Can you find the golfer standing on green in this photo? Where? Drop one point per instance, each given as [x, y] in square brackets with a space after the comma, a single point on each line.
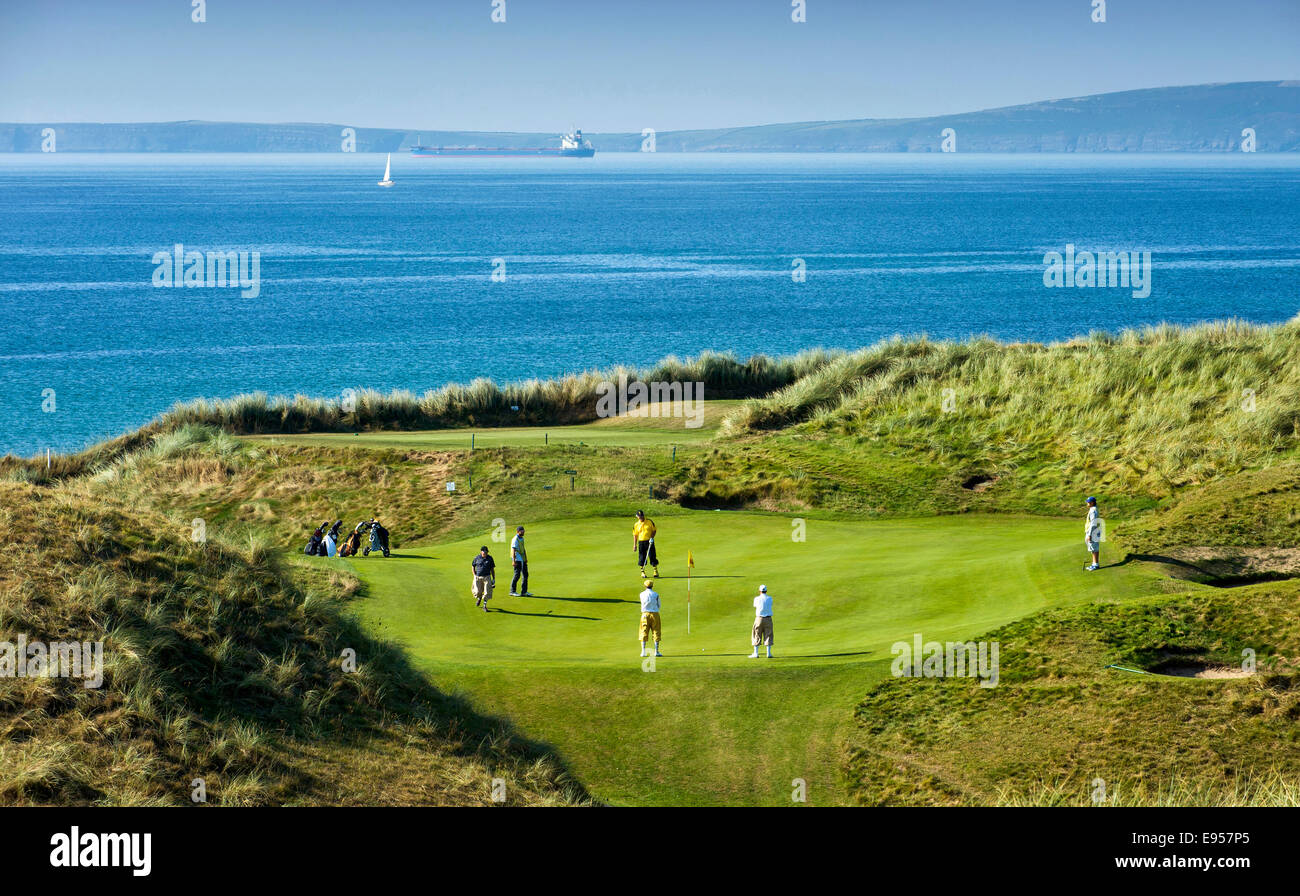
[1092, 532]
[485, 578]
[520, 557]
[651, 626]
[762, 633]
[643, 542]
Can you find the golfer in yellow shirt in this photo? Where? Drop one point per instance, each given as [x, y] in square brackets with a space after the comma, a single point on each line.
[643, 542]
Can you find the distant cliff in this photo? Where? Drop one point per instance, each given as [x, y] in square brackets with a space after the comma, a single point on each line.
[1204, 118]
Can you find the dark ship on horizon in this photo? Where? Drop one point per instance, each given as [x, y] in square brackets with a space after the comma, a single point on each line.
[572, 145]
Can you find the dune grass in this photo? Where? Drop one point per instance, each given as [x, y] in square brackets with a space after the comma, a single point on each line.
[1060, 720]
[920, 426]
[219, 666]
[566, 400]
[1149, 410]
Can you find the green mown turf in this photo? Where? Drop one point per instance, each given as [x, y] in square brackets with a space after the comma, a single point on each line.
[517, 437]
[708, 725]
[667, 427]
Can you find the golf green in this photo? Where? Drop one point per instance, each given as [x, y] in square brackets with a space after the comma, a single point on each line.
[705, 724]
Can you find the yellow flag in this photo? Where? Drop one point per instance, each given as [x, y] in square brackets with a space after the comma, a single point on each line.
[690, 560]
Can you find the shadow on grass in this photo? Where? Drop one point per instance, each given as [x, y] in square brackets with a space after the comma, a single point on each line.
[699, 577]
[1222, 579]
[775, 656]
[542, 615]
[390, 696]
[814, 656]
[583, 600]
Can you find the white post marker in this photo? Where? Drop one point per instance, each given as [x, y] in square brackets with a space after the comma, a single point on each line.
[451, 487]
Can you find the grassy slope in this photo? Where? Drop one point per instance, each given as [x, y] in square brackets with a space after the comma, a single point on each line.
[753, 742]
[1134, 419]
[1153, 422]
[1254, 508]
[1060, 719]
[284, 491]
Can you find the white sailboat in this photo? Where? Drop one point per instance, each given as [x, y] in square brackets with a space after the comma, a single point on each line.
[388, 173]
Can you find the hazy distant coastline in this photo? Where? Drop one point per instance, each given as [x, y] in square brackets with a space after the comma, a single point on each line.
[1203, 118]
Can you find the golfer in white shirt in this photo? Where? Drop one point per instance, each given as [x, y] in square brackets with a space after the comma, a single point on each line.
[650, 624]
[762, 633]
[1092, 535]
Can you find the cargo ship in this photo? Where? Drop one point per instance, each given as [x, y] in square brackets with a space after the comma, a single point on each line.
[572, 145]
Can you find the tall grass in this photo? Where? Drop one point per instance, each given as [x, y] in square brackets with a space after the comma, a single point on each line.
[218, 664]
[569, 399]
[1265, 789]
[1163, 405]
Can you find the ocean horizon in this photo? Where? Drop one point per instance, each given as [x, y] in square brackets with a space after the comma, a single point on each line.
[520, 268]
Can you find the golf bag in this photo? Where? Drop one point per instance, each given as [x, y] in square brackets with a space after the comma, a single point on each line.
[378, 540]
[350, 544]
[316, 545]
[332, 539]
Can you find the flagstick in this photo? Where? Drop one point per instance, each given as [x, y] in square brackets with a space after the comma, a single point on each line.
[688, 598]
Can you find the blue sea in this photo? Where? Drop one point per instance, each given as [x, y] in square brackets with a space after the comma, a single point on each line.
[624, 258]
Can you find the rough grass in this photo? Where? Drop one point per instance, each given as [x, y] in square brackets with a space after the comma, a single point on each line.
[218, 665]
[1059, 720]
[285, 491]
[1145, 412]
[570, 399]
[1250, 509]
[200, 472]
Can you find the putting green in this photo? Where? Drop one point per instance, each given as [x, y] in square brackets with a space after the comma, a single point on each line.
[705, 724]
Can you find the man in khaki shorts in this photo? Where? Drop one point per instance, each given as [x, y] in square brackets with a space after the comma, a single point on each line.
[650, 624]
[762, 633]
[485, 578]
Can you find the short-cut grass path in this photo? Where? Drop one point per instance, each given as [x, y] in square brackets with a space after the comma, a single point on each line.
[651, 425]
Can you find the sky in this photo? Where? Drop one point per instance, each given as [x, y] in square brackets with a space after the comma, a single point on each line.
[611, 65]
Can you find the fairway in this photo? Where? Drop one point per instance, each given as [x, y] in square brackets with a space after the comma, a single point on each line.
[655, 424]
[705, 724]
